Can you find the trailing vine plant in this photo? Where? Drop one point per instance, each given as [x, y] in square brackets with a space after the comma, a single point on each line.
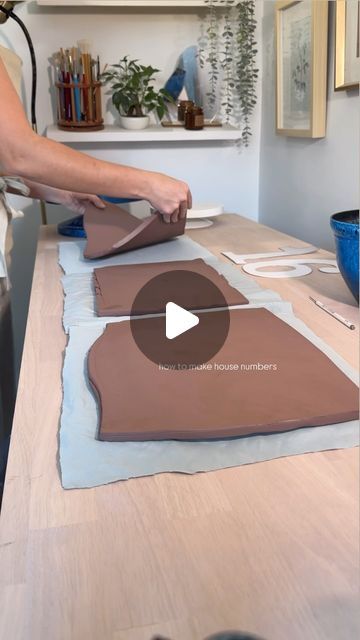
[227, 64]
[228, 47]
[212, 58]
[245, 63]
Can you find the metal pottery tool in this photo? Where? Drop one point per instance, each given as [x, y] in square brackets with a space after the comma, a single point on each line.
[332, 313]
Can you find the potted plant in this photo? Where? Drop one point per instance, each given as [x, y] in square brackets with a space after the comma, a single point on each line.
[133, 93]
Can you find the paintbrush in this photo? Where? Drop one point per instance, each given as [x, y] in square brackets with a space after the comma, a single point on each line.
[84, 46]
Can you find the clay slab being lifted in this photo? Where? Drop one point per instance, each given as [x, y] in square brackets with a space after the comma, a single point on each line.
[113, 230]
[116, 287]
[140, 401]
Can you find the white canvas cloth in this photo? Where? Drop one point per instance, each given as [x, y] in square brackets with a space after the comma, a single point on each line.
[79, 304]
[87, 462]
[7, 213]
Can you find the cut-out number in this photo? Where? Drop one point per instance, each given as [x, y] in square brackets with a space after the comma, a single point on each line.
[298, 268]
[241, 258]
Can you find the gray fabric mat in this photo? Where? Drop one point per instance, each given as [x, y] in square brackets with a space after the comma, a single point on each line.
[79, 304]
[87, 462]
[71, 257]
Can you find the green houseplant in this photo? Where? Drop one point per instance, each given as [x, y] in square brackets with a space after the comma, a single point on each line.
[228, 49]
[133, 92]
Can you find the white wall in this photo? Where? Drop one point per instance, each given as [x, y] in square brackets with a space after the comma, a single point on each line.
[213, 171]
[302, 181]
[219, 172]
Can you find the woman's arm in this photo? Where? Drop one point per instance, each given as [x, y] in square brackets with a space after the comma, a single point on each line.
[33, 157]
[70, 199]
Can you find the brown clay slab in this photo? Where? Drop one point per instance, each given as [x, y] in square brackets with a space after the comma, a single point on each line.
[140, 401]
[114, 230]
[116, 287]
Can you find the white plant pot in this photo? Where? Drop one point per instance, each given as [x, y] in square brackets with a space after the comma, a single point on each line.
[134, 122]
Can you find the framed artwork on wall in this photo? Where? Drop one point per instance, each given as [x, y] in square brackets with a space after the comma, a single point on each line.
[301, 67]
[347, 44]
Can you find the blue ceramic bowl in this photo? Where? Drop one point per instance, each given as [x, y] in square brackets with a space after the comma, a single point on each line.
[345, 226]
[75, 228]
[113, 200]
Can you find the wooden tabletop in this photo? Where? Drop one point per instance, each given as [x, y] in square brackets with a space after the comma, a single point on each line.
[270, 548]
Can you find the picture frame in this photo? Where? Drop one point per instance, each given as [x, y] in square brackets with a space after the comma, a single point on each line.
[301, 67]
[347, 45]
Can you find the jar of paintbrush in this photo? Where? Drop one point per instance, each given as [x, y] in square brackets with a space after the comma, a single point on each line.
[78, 87]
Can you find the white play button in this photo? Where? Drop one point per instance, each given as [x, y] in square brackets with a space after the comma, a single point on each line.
[178, 320]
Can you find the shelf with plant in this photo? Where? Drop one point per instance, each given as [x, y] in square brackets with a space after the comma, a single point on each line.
[122, 3]
[133, 93]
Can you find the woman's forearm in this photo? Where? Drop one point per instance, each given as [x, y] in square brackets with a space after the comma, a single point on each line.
[36, 190]
[32, 157]
[50, 163]
[39, 191]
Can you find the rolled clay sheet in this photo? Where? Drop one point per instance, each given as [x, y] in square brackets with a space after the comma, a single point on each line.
[116, 288]
[114, 230]
[282, 382]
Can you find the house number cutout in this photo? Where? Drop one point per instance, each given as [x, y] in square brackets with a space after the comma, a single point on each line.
[241, 258]
[297, 268]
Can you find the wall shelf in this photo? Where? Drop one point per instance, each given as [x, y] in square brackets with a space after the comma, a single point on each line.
[113, 133]
[122, 3]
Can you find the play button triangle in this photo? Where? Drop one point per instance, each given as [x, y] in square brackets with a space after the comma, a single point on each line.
[178, 320]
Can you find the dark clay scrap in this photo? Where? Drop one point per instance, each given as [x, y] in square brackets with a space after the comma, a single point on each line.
[116, 288]
[140, 401]
[114, 230]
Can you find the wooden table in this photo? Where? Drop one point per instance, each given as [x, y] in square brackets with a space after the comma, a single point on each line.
[269, 548]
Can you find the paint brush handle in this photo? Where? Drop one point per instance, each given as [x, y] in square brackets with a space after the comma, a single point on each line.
[67, 97]
[77, 98]
[86, 58]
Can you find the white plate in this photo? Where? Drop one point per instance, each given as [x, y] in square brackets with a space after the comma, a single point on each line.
[206, 210]
[198, 224]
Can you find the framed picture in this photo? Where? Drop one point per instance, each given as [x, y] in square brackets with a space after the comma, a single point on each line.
[347, 45]
[301, 67]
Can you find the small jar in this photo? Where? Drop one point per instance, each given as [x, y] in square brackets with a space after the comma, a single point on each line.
[182, 107]
[194, 119]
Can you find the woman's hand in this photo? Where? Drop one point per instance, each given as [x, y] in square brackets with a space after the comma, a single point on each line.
[172, 198]
[72, 200]
[77, 201]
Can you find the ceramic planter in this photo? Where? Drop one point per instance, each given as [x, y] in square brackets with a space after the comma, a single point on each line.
[345, 226]
[134, 122]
